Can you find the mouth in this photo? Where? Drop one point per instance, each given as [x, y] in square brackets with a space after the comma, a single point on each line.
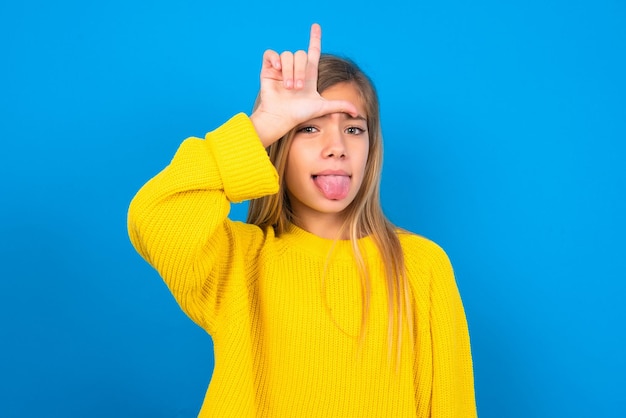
[334, 186]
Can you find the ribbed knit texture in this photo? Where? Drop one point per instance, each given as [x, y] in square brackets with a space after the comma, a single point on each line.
[285, 329]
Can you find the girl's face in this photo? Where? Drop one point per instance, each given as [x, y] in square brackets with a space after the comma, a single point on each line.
[326, 160]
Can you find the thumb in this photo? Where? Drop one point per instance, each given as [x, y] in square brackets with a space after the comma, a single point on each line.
[339, 106]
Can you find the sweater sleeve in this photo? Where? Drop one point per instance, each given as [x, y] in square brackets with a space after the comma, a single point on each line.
[453, 379]
[178, 220]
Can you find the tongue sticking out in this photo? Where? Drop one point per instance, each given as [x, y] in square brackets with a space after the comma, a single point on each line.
[334, 187]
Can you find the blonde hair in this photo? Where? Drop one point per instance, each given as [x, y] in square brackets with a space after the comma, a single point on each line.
[364, 215]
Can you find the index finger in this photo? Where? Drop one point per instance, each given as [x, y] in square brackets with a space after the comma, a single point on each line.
[315, 45]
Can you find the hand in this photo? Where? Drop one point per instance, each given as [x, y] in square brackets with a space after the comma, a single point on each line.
[289, 93]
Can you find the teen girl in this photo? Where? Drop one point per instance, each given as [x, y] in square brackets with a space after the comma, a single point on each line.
[318, 306]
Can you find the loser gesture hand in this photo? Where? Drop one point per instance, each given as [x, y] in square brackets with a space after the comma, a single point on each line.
[289, 93]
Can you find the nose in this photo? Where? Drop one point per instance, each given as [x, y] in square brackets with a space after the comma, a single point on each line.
[334, 145]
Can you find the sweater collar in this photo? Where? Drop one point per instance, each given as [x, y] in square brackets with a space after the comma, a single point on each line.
[341, 248]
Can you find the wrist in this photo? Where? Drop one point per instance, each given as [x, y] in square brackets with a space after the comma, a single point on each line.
[268, 127]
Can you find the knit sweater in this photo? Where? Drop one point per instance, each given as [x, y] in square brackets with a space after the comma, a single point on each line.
[285, 311]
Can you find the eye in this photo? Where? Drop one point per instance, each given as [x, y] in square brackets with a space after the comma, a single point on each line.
[307, 130]
[355, 130]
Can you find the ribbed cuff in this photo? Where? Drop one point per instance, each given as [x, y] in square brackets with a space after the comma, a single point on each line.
[244, 165]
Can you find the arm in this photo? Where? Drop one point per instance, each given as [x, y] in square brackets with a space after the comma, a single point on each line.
[178, 220]
[453, 379]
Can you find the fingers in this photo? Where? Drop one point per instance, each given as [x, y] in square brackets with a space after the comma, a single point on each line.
[301, 66]
[286, 62]
[294, 67]
[301, 61]
[314, 53]
[315, 44]
[271, 64]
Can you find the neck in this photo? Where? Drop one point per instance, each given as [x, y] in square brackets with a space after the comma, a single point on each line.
[326, 226]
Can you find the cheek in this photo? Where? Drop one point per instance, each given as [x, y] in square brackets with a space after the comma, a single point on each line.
[293, 170]
[363, 163]
[364, 154]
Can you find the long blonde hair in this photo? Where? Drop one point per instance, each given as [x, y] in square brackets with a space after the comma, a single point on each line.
[364, 215]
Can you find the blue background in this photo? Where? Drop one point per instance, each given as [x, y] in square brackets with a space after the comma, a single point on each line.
[504, 122]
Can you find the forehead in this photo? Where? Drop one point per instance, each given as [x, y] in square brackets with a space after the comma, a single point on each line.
[346, 91]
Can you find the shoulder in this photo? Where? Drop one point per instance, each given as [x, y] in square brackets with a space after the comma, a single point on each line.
[418, 245]
[422, 253]
[248, 240]
[428, 269]
[245, 231]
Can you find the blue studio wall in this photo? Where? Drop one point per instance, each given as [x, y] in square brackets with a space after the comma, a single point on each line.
[505, 128]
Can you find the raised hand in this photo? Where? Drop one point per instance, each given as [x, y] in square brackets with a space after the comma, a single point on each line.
[289, 93]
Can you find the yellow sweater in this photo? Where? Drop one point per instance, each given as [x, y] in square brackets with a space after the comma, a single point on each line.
[285, 333]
